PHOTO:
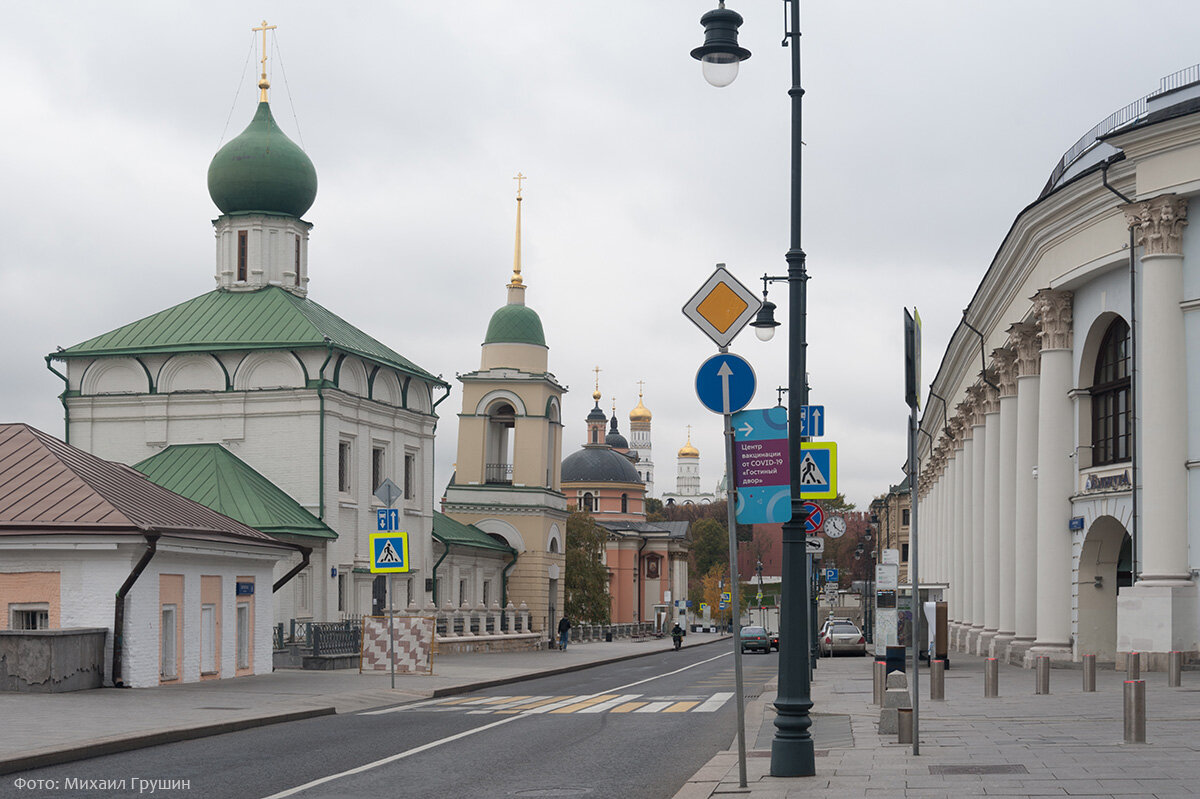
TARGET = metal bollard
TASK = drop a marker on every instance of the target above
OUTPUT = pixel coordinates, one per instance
(1135, 711)
(1174, 669)
(880, 681)
(991, 678)
(1133, 666)
(1089, 673)
(937, 679)
(904, 725)
(1043, 675)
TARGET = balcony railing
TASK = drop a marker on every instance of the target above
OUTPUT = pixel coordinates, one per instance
(498, 473)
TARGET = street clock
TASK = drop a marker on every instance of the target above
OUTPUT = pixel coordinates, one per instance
(835, 526)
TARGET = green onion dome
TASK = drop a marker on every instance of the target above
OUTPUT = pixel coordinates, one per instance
(263, 171)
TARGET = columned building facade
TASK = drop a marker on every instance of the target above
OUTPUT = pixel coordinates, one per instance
(1059, 468)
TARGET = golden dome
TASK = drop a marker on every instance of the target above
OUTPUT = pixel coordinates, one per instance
(687, 450)
(640, 412)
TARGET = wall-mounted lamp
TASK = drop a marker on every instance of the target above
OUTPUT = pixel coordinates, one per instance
(1098, 582)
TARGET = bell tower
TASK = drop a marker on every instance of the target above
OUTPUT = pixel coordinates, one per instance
(508, 476)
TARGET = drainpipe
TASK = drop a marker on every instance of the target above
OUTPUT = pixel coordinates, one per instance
(119, 612)
(504, 578)
(637, 578)
(301, 566)
(321, 430)
(63, 398)
(982, 355)
(1133, 360)
(435, 568)
(432, 486)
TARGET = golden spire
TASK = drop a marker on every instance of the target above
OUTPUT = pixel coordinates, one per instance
(263, 83)
(614, 399)
(596, 393)
(516, 277)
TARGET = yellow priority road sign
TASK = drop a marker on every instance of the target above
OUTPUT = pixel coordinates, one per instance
(389, 552)
(722, 306)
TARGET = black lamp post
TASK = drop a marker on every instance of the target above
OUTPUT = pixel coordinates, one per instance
(792, 752)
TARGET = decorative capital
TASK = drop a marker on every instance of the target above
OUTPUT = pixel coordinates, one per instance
(1023, 339)
(1004, 363)
(1054, 316)
(991, 395)
(976, 401)
(963, 414)
(1158, 223)
(954, 429)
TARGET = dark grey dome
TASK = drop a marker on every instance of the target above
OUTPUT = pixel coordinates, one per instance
(594, 464)
(596, 415)
(614, 438)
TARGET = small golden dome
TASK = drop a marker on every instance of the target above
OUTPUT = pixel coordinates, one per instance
(687, 450)
(596, 395)
(640, 412)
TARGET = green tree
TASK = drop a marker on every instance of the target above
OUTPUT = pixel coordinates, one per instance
(710, 546)
(587, 599)
(654, 507)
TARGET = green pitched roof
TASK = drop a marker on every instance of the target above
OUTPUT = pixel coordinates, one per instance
(515, 324)
(215, 477)
(452, 533)
(269, 318)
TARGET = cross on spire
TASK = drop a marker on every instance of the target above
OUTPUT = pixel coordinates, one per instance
(519, 177)
(641, 385)
(263, 83)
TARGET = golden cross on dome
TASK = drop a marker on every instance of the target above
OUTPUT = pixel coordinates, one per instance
(518, 179)
(641, 385)
(614, 399)
(689, 427)
(263, 83)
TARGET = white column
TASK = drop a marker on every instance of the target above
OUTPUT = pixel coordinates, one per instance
(1055, 476)
(978, 544)
(964, 526)
(1024, 339)
(991, 516)
(1157, 614)
(954, 500)
(1006, 376)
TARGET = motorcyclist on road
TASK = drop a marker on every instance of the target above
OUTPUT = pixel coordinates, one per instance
(677, 635)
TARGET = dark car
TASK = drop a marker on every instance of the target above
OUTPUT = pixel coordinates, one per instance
(756, 638)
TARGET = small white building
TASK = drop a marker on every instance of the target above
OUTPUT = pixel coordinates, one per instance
(87, 543)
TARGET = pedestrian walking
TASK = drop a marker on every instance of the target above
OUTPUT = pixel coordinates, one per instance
(564, 632)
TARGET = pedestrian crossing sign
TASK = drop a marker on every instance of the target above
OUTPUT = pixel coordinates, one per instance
(389, 552)
(818, 470)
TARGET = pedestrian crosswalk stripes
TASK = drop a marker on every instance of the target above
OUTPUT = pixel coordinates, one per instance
(565, 704)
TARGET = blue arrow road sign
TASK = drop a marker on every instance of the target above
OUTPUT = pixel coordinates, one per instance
(725, 383)
(812, 421)
(387, 519)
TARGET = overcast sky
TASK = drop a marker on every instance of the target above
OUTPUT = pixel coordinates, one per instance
(928, 127)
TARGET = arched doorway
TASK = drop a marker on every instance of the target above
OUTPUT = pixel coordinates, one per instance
(1105, 566)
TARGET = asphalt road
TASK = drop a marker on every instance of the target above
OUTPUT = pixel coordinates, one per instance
(639, 728)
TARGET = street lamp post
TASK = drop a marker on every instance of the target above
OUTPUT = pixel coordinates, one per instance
(792, 753)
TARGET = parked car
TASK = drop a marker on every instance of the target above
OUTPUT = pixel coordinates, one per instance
(841, 635)
(756, 638)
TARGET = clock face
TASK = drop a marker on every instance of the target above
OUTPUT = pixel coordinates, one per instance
(835, 526)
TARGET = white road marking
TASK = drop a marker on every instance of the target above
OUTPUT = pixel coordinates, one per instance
(610, 704)
(434, 744)
(653, 707)
(714, 702)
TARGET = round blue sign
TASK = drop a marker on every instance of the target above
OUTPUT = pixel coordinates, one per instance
(725, 383)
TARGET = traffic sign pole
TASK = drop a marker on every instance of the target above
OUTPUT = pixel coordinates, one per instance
(735, 589)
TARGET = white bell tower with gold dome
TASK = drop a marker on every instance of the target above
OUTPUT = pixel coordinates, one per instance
(639, 441)
(507, 478)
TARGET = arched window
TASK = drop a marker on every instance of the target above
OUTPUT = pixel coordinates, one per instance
(586, 503)
(624, 503)
(501, 421)
(1111, 420)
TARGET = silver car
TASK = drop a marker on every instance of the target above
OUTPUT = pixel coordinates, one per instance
(840, 635)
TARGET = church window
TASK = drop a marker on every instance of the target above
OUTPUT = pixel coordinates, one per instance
(586, 503)
(501, 424)
(297, 260)
(241, 255)
(344, 464)
(487, 591)
(410, 472)
(624, 503)
(1111, 419)
(462, 592)
(342, 586)
(378, 455)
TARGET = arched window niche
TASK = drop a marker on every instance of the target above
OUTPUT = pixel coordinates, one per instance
(1111, 419)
